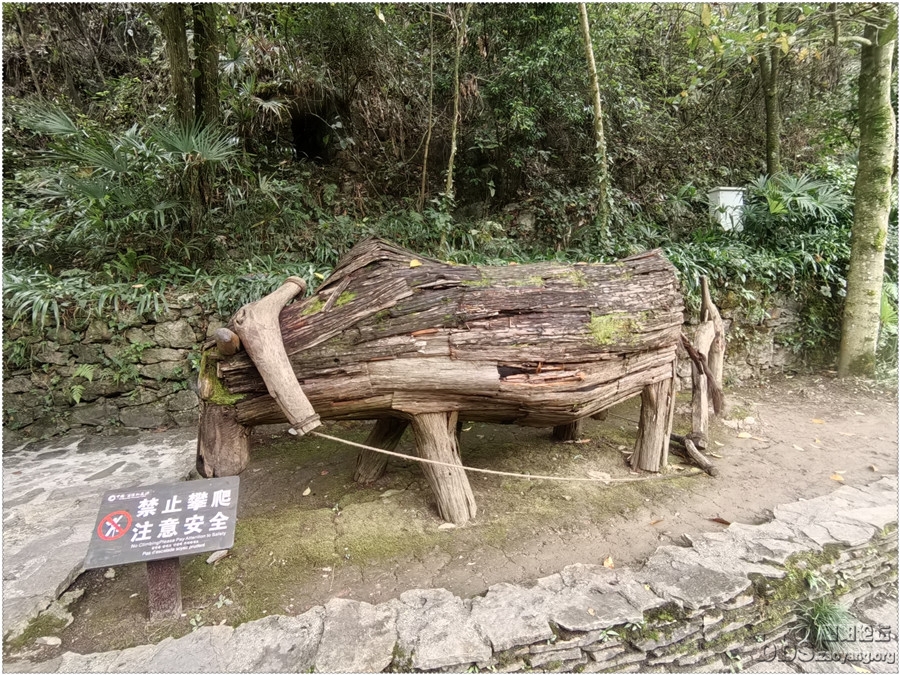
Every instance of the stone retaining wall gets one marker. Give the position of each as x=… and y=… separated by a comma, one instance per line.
x=131, y=372
x=141, y=371
x=725, y=602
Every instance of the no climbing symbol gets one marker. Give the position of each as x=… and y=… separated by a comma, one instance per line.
x=114, y=525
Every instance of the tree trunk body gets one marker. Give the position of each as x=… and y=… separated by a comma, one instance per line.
x=536, y=345
x=172, y=24
x=223, y=444
x=206, y=52
x=436, y=439
x=424, y=185
x=454, y=122
x=872, y=203
x=770, y=75
x=394, y=334
x=599, y=135
x=386, y=434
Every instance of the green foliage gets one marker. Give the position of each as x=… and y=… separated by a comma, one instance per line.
x=100, y=191
x=86, y=372
x=100, y=218
x=887, y=335
x=823, y=621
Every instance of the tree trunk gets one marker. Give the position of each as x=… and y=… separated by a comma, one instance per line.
x=454, y=121
x=27, y=49
x=436, y=439
x=872, y=201
x=770, y=75
x=599, y=136
x=206, y=56
x=386, y=434
x=223, y=444
x=75, y=13
x=421, y=203
x=171, y=21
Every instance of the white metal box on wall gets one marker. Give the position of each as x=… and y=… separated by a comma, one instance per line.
x=726, y=207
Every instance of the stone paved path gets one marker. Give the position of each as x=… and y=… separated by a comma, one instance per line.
x=51, y=495
x=436, y=627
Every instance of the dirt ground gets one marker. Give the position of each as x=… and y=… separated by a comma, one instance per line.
x=781, y=440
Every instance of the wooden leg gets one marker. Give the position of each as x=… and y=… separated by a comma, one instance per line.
x=436, y=439
x=703, y=340
x=385, y=434
x=223, y=444
x=651, y=450
x=164, y=588
x=567, y=432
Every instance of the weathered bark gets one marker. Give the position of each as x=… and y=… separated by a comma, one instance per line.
x=709, y=312
x=651, y=449
x=770, y=75
x=424, y=184
x=872, y=199
x=599, y=136
x=257, y=327
x=436, y=439
x=699, y=458
x=206, y=58
x=392, y=334
x=171, y=21
x=567, y=432
x=460, y=28
x=223, y=444
x=703, y=340
x=386, y=434
x=537, y=345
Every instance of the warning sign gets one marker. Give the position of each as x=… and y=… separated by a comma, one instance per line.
x=114, y=525
x=164, y=521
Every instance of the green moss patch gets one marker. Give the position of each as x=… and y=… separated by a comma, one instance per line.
x=609, y=329
x=220, y=394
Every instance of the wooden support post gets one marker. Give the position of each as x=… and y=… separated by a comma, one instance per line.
x=164, y=588
x=385, y=434
x=709, y=312
x=703, y=339
x=223, y=444
x=651, y=450
x=567, y=432
x=436, y=439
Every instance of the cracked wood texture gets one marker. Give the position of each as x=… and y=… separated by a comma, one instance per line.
x=394, y=333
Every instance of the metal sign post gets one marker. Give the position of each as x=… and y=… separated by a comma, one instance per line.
x=158, y=523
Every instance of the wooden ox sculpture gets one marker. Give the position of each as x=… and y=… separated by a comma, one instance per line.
x=404, y=339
